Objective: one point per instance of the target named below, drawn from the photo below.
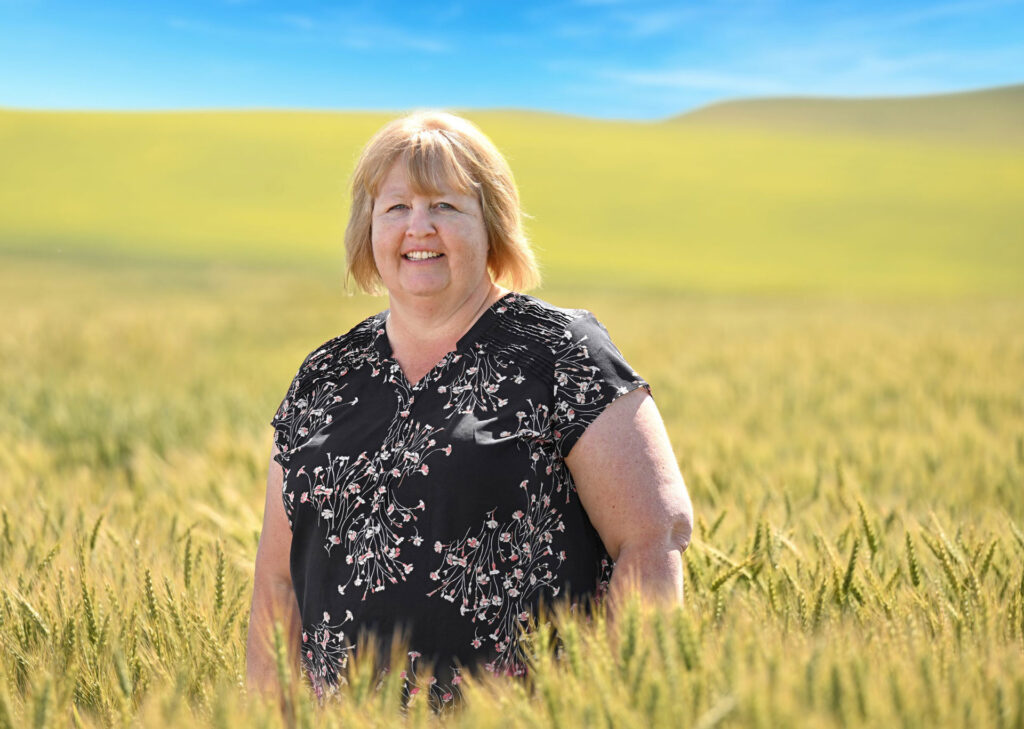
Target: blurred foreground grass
(856, 468)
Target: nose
(420, 224)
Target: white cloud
(291, 28)
(698, 79)
(301, 22)
(379, 36)
(197, 26)
(613, 19)
(822, 70)
(655, 22)
(946, 10)
(577, 30)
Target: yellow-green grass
(680, 208)
(856, 467)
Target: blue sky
(605, 58)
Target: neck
(422, 330)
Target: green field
(698, 206)
(832, 323)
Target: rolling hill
(734, 198)
(996, 115)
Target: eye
(397, 206)
(445, 205)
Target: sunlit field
(833, 327)
(671, 205)
(856, 468)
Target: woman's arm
(630, 485)
(273, 596)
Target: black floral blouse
(444, 508)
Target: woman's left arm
(631, 488)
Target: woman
(452, 462)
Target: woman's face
(428, 245)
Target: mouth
(421, 255)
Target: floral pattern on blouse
(444, 508)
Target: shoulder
(354, 344)
(570, 349)
(535, 321)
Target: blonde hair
(441, 150)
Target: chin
(424, 287)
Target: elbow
(682, 529)
(671, 533)
(681, 523)
(670, 530)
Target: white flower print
(325, 651)
(384, 515)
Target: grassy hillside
(988, 115)
(679, 207)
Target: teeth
(421, 255)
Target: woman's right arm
(273, 596)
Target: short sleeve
(286, 420)
(590, 374)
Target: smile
(421, 255)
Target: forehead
(426, 172)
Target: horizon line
(259, 109)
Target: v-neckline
(478, 328)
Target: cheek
(381, 238)
(379, 251)
(476, 239)
(377, 232)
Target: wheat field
(830, 315)
(856, 469)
